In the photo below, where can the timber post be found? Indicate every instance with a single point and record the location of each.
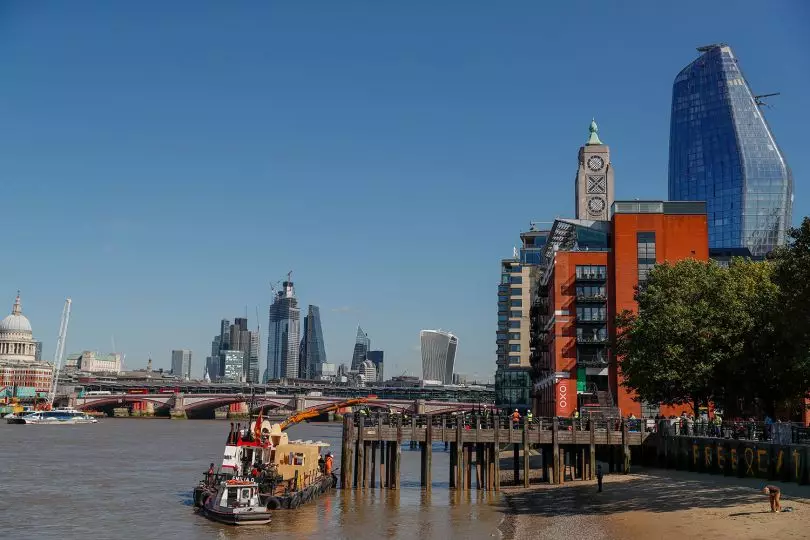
(346, 458)
(625, 448)
(526, 453)
(555, 451)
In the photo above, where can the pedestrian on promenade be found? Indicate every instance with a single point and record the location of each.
(599, 475)
(774, 494)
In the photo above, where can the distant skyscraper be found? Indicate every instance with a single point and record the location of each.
(376, 358)
(722, 151)
(181, 363)
(283, 334)
(232, 363)
(253, 360)
(361, 346)
(240, 340)
(438, 355)
(313, 349)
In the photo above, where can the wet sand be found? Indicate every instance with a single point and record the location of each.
(659, 504)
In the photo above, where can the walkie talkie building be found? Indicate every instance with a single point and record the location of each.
(438, 355)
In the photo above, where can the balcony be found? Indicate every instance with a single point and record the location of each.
(592, 320)
(592, 298)
(592, 339)
(596, 360)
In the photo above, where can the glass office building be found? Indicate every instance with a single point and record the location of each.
(722, 151)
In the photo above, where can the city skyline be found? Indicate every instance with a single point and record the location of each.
(145, 132)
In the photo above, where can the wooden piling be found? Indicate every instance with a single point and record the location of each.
(555, 451)
(428, 452)
(592, 456)
(346, 457)
(373, 481)
(360, 482)
(453, 465)
(469, 459)
(460, 455)
(526, 454)
(478, 459)
(625, 449)
(383, 460)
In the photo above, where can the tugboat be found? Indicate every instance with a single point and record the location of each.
(236, 502)
(286, 473)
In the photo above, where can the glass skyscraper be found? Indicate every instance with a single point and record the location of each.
(283, 344)
(313, 350)
(361, 346)
(722, 151)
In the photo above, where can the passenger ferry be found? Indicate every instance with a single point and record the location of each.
(60, 415)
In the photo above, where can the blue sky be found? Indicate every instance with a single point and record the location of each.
(162, 162)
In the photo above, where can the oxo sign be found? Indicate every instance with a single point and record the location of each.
(566, 396)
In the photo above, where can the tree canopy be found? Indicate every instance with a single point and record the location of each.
(736, 336)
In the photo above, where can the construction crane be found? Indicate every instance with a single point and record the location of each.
(274, 285)
(758, 99)
(313, 412)
(59, 353)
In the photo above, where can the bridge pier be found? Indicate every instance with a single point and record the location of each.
(178, 409)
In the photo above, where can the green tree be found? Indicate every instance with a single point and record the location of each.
(688, 324)
(778, 359)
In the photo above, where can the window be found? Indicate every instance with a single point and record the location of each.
(592, 313)
(514, 360)
(515, 347)
(504, 279)
(514, 324)
(514, 335)
(591, 271)
(646, 255)
(502, 318)
(516, 302)
(516, 314)
(516, 291)
(591, 291)
(516, 280)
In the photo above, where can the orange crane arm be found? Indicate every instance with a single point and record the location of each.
(318, 410)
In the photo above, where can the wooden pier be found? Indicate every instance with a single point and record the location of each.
(568, 448)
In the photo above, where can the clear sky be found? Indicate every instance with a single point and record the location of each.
(162, 162)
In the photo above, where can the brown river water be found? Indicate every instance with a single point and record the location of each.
(132, 478)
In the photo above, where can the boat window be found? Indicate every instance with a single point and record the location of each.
(232, 493)
(245, 493)
(299, 459)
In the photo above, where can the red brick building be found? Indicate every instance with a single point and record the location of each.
(593, 272)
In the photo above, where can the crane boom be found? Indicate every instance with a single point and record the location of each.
(312, 412)
(59, 353)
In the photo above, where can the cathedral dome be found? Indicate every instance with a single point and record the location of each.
(16, 323)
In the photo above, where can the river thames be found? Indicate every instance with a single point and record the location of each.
(132, 478)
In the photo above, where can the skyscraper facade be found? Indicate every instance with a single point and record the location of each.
(313, 350)
(362, 344)
(438, 355)
(722, 151)
(283, 335)
(181, 363)
(376, 358)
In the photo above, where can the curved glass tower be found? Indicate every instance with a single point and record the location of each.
(722, 151)
(438, 355)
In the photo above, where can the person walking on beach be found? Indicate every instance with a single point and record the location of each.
(774, 494)
(599, 475)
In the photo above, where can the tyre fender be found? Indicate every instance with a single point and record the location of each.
(273, 503)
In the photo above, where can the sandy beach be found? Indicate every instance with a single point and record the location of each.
(658, 504)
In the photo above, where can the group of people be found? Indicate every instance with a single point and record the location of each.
(325, 464)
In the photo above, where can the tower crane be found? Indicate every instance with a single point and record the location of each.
(59, 353)
(274, 285)
(758, 99)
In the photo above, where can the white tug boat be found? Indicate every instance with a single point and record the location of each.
(236, 502)
(60, 415)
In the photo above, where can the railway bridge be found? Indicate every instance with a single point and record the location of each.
(181, 405)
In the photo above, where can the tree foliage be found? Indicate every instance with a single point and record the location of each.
(737, 336)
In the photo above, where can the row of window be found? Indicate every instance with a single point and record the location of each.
(503, 316)
(645, 242)
(591, 290)
(591, 271)
(592, 313)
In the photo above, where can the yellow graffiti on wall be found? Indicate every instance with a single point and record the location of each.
(797, 462)
(721, 456)
(707, 456)
(761, 453)
(695, 454)
(779, 458)
(749, 461)
(734, 459)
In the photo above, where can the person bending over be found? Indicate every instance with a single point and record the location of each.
(774, 493)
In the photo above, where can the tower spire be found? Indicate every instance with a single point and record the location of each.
(593, 129)
(17, 309)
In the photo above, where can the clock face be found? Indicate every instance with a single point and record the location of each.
(596, 205)
(595, 163)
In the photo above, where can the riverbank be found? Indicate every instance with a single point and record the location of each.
(654, 503)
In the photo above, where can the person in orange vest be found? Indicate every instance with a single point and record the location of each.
(328, 463)
(516, 416)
